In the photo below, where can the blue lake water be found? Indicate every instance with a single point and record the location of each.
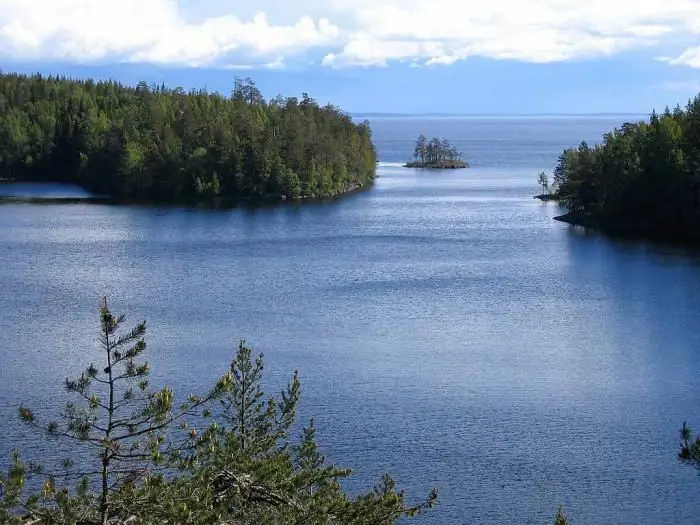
(445, 328)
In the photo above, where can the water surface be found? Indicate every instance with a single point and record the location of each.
(445, 328)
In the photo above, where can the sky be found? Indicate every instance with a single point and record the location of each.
(377, 56)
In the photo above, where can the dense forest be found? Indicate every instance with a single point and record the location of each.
(165, 144)
(643, 178)
(435, 153)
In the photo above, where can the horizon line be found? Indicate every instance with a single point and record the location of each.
(445, 114)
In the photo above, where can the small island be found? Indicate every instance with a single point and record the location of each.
(435, 154)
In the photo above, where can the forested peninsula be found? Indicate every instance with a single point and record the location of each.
(158, 144)
(643, 179)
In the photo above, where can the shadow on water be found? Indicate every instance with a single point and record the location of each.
(51, 194)
(630, 242)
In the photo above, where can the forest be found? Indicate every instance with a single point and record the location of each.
(435, 153)
(642, 179)
(154, 143)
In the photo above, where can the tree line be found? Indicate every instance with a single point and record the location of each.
(151, 142)
(643, 177)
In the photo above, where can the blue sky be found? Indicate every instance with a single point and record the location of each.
(395, 56)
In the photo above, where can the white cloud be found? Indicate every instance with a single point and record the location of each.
(689, 57)
(528, 30)
(153, 31)
(343, 33)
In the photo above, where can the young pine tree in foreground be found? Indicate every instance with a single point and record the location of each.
(248, 471)
(151, 466)
(119, 420)
(689, 452)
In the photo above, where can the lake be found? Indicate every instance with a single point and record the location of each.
(445, 328)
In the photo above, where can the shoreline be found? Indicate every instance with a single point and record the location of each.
(211, 202)
(623, 230)
(632, 231)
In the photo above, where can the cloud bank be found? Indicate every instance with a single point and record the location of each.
(344, 33)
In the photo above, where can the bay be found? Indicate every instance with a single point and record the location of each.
(445, 328)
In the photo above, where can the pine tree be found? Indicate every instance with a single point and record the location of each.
(560, 518)
(689, 451)
(123, 422)
(249, 471)
(419, 151)
(240, 465)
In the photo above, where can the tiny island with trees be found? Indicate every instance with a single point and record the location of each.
(435, 154)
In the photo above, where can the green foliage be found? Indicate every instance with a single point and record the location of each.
(164, 144)
(560, 518)
(247, 470)
(689, 452)
(435, 153)
(11, 486)
(118, 419)
(644, 176)
(543, 181)
(228, 462)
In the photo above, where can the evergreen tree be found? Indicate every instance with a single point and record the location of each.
(249, 471)
(419, 151)
(237, 464)
(120, 420)
(560, 519)
(154, 143)
(689, 451)
(642, 177)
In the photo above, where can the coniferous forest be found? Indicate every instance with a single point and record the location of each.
(156, 143)
(644, 178)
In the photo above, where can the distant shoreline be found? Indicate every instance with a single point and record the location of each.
(640, 115)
